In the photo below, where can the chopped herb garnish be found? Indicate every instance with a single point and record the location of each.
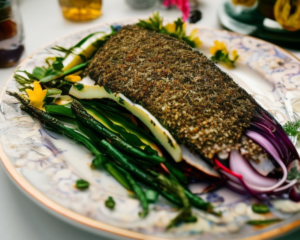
(57, 64)
(82, 184)
(110, 203)
(292, 129)
(263, 222)
(170, 142)
(260, 208)
(121, 100)
(185, 216)
(293, 174)
(79, 86)
(107, 89)
(153, 123)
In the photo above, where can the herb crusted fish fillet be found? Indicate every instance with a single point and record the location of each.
(199, 104)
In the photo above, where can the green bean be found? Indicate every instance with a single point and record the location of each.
(59, 110)
(115, 140)
(118, 175)
(260, 208)
(199, 202)
(94, 142)
(125, 164)
(139, 192)
(263, 222)
(179, 175)
(195, 200)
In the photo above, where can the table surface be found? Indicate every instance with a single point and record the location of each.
(20, 218)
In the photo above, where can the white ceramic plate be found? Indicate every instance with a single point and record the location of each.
(46, 165)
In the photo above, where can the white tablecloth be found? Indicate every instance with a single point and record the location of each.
(20, 218)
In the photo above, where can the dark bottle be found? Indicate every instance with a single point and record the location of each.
(11, 33)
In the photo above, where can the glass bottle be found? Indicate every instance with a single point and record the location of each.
(81, 10)
(11, 33)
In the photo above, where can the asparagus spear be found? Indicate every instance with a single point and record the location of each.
(111, 152)
(139, 192)
(115, 140)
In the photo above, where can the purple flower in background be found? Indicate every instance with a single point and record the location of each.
(183, 5)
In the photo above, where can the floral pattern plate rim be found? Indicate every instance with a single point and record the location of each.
(40, 164)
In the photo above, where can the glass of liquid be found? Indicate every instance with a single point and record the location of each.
(81, 10)
(11, 33)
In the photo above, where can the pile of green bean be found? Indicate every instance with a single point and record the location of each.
(123, 161)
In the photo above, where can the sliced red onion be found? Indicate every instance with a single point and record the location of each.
(240, 166)
(263, 127)
(234, 179)
(273, 152)
(294, 193)
(231, 177)
(281, 148)
(282, 143)
(293, 154)
(290, 184)
(236, 187)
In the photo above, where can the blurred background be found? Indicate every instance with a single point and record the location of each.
(27, 25)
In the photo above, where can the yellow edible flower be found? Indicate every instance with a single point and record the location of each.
(220, 53)
(247, 3)
(37, 95)
(287, 14)
(171, 27)
(194, 37)
(234, 54)
(219, 46)
(72, 78)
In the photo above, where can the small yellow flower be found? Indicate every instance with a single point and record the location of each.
(197, 42)
(72, 78)
(234, 54)
(221, 54)
(219, 46)
(37, 95)
(194, 37)
(171, 27)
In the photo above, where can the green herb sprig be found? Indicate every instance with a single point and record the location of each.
(110, 203)
(292, 129)
(293, 174)
(82, 184)
(155, 23)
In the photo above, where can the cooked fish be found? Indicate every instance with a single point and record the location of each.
(198, 103)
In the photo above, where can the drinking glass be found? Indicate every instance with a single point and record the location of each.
(81, 10)
(11, 33)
